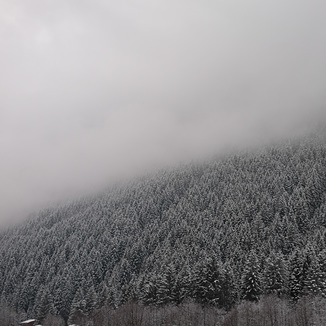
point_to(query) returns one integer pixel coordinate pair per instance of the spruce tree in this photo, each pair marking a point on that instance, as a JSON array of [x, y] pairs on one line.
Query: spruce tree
[[275, 275], [296, 276], [251, 279]]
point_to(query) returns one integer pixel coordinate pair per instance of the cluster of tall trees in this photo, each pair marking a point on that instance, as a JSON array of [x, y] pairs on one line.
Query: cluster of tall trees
[[213, 283], [232, 229]]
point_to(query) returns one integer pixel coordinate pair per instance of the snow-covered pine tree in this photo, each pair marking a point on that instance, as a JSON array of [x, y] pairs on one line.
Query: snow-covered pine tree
[[166, 286], [276, 275], [149, 292], [296, 275], [251, 279]]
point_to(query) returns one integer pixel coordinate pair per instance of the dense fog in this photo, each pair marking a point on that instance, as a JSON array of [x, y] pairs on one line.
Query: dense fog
[[92, 92]]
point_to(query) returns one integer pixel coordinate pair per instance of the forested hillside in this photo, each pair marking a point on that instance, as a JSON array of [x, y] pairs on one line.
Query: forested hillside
[[218, 233]]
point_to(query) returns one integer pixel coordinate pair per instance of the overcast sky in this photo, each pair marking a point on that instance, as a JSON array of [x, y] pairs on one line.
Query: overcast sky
[[94, 90]]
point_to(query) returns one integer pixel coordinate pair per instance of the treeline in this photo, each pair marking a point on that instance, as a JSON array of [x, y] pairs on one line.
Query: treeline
[[233, 229], [269, 311]]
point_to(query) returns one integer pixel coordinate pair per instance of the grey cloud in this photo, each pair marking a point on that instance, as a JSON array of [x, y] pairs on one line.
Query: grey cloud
[[92, 91]]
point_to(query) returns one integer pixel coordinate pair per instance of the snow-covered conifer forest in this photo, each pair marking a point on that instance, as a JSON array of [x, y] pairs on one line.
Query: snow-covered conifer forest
[[236, 241]]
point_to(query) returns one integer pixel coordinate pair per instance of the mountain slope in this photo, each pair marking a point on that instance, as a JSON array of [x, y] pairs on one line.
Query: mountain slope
[[173, 235]]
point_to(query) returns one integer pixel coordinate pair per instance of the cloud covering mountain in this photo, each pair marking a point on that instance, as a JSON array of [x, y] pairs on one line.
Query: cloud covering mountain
[[93, 91]]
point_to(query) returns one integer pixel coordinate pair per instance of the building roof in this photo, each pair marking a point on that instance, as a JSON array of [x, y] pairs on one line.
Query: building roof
[[27, 321]]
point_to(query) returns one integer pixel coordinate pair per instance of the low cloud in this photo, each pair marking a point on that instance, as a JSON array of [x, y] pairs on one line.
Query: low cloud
[[95, 91]]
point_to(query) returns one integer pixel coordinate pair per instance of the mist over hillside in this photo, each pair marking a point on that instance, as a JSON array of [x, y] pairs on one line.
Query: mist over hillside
[[92, 92], [232, 229], [185, 144]]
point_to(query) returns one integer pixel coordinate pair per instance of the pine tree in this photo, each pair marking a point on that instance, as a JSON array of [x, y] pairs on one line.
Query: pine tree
[[44, 306], [167, 286], [321, 276], [296, 276], [91, 300], [78, 304], [275, 275], [227, 296], [311, 268], [251, 279], [149, 293]]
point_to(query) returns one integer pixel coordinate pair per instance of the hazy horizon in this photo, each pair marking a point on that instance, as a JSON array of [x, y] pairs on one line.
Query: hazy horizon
[[94, 92]]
